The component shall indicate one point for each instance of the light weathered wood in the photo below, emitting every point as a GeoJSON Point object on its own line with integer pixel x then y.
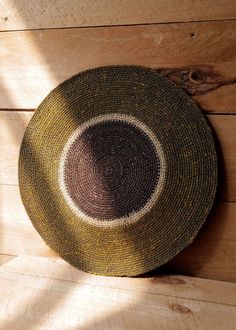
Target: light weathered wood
{"type": "Point", "coordinates": [14, 123]}
{"type": "Point", "coordinates": [212, 255]}
{"type": "Point", "coordinates": [171, 285]}
{"type": "Point", "coordinates": [17, 234]}
{"type": "Point", "coordinates": [4, 258]}
{"type": "Point", "coordinates": [34, 62]}
{"type": "Point", "coordinates": [91, 302]}
{"type": "Point", "coordinates": [38, 14]}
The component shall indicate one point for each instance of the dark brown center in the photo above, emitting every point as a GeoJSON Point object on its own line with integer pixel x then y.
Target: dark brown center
{"type": "Point", "coordinates": [111, 170]}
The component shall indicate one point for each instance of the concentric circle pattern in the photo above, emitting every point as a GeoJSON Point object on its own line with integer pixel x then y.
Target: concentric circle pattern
{"type": "Point", "coordinates": [118, 170]}
{"type": "Point", "coordinates": [111, 170]}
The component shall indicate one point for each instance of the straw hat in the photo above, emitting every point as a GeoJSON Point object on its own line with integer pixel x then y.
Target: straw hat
{"type": "Point", "coordinates": [118, 170]}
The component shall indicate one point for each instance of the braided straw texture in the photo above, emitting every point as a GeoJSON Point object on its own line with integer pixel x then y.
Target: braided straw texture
{"type": "Point", "coordinates": [186, 183]}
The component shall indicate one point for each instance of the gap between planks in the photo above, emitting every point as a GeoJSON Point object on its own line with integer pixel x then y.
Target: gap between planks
{"type": "Point", "coordinates": [119, 25]}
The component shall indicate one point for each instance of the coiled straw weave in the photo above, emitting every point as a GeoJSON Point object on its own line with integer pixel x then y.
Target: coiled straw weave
{"type": "Point", "coordinates": [118, 170]}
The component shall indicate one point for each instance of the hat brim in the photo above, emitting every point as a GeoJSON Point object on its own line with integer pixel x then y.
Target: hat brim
{"type": "Point", "coordinates": [188, 189]}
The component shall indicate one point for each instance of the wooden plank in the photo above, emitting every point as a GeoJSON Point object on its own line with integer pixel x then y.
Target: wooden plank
{"type": "Point", "coordinates": [27, 299]}
{"type": "Point", "coordinates": [225, 130]}
{"type": "Point", "coordinates": [32, 63]}
{"type": "Point", "coordinates": [17, 234]}
{"type": "Point", "coordinates": [212, 255]}
{"type": "Point", "coordinates": [36, 14]}
{"type": "Point", "coordinates": [4, 258]}
{"type": "Point", "coordinates": [14, 123]}
{"type": "Point", "coordinates": [171, 285]}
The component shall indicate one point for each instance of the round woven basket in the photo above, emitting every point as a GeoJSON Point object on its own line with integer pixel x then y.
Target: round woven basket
{"type": "Point", "coordinates": [117, 170]}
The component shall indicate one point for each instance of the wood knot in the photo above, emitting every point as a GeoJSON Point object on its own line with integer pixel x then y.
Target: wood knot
{"type": "Point", "coordinates": [180, 309]}
{"type": "Point", "coordinates": [196, 77]}
{"type": "Point", "coordinates": [196, 81]}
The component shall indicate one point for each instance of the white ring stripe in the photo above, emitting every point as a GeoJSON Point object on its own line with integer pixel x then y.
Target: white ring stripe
{"type": "Point", "coordinates": [133, 216]}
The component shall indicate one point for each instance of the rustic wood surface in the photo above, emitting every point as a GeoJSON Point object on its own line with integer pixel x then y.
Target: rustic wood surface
{"type": "Point", "coordinates": [50, 294]}
{"type": "Point", "coordinates": [41, 14]}
{"type": "Point", "coordinates": [200, 57]}
{"type": "Point", "coordinates": [34, 62]}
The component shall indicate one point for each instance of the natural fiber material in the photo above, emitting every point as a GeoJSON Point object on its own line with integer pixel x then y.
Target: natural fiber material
{"type": "Point", "coordinates": [118, 170]}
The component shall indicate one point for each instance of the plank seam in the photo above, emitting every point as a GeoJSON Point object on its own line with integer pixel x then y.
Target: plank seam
{"type": "Point", "coordinates": [8, 254]}
{"type": "Point", "coordinates": [120, 25]}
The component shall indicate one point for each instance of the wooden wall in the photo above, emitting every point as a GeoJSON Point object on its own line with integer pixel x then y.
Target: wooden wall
{"type": "Point", "coordinates": [193, 44]}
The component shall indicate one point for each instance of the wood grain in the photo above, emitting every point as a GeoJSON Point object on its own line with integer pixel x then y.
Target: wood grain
{"type": "Point", "coordinates": [89, 302]}
{"type": "Point", "coordinates": [171, 285]}
{"type": "Point", "coordinates": [37, 14]}
{"type": "Point", "coordinates": [211, 255]}
{"type": "Point", "coordinates": [32, 63]}
{"type": "Point", "coordinates": [14, 123]}
{"type": "Point", "coordinates": [225, 131]}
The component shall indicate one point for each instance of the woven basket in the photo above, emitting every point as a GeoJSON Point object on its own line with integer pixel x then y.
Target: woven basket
{"type": "Point", "coordinates": [118, 170]}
